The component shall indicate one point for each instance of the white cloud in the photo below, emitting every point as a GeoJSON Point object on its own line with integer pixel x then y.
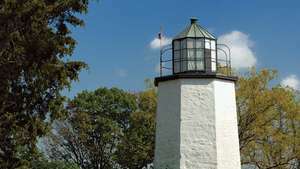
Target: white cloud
{"type": "Point", "coordinates": [242, 55]}
{"type": "Point", "coordinates": [155, 43]}
{"type": "Point", "coordinates": [121, 73]}
{"type": "Point", "coordinates": [291, 81]}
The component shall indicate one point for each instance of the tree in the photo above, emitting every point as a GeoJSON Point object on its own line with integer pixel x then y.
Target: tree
{"type": "Point", "coordinates": [136, 149]}
{"type": "Point", "coordinates": [268, 117]}
{"type": "Point", "coordinates": [90, 136]}
{"type": "Point", "coordinates": [106, 128]}
{"type": "Point", "coordinates": [269, 122]}
{"type": "Point", "coordinates": [35, 43]}
{"type": "Point", "coordinates": [53, 165]}
{"type": "Point", "coordinates": [43, 163]}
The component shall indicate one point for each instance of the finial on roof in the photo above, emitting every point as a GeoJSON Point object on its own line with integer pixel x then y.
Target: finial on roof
{"type": "Point", "coordinates": [193, 20]}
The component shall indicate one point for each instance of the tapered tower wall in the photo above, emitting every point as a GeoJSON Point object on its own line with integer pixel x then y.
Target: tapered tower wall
{"type": "Point", "coordinates": [228, 153]}
{"type": "Point", "coordinates": [196, 125]}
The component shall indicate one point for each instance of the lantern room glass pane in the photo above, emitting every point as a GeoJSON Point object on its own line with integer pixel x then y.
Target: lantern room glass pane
{"type": "Point", "coordinates": [213, 66]}
{"type": "Point", "coordinates": [213, 44]}
{"type": "Point", "coordinates": [176, 45]}
{"type": "Point", "coordinates": [191, 65]}
{"type": "Point", "coordinates": [183, 44]}
{"type": "Point", "coordinates": [200, 64]}
{"type": "Point", "coordinates": [200, 59]}
{"type": "Point", "coordinates": [199, 43]}
{"type": "Point", "coordinates": [183, 60]}
{"type": "Point", "coordinates": [207, 44]}
{"type": "Point", "coordinates": [199, 54]}
{"type": "Point", "coordinates": [190, 43]}
{"type": "Point", "coordinates": [213, 61]}
{"type": "Point", "coordinates": [207, 53]}
{"type": "Point", "coordinates": [191, 59]}
{"type": "Point", "coordinates": [183, 66]}
{"type": "Point", "coordinates": [213, 56]}
{"type": "Point", "coordinates": [207, 60]}
{"type": "Point", "coordinates": [177, 67]}
{"type": "Point", "coordinates": [183, 54]}
{"type": "Point", "coordinates": [191, 54]}
{"type": "Point", "coordinates": [177, 55]}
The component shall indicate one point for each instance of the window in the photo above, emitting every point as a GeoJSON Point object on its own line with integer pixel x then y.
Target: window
{"type": "Point", "coordinates": [177, 56]}
{"type": "Point", "coordinates": [183, 44]}
{"type": "Point", "coordinates": [194, 54]}
{"type": "Point", "coordinates": [191, 59]}
{"type": "Point", "coordinates": [213, 61]}
{"type": "Point", "coordinates": [190, 43]}
{"type": "Point", "coordinates": [207, 44]}
{"type": "Point", "coordinates": [200, 59]}
{"type": "Point", "coordinates": [177, 67]}
{"type": "Point", "coordinates": [213, 45]}
{"type": "Point", "coordinates": [183, 60]}
{"type": "Point", "coordinates": [199, 43]}
{"type": "Point", "coordinates": [177, 45]}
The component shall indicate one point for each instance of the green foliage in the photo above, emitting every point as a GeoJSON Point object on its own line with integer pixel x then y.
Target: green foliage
{"type": "Point", "coordinates": [149, 84]}
{"type": "Point", "coordinates": [107, 128]}
{"type": "Point", "coordinates": [94, 129]}
{"type": "Point", "coordinates": [147, 101]}
{"type": "Point", "coordinates": [34, 42]}
{"type": "Point", "coordinates": [136, 149]}
{"type": "Point", "coordinates": [45, 164]}
{"type": "Point", "coordinates": [269, 122]}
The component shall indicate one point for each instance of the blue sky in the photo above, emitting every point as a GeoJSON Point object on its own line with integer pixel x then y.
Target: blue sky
{"type": "Point", "coordinates": [115, 41]}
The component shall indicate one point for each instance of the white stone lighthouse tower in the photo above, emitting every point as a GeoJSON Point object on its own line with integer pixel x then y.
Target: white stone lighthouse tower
{"type": "Point", "coordinates": [196, 115]}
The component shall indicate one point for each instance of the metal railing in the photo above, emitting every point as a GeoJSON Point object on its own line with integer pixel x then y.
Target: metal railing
{"type": "Point", "coordinates": [223, 65]}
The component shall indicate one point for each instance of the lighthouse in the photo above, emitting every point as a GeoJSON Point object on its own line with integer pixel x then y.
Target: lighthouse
{"type": "Point", "coordinates": [196, 120]}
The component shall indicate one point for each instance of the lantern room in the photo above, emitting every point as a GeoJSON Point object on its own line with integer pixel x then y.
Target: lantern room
{"type": "Point", "coordinates": [194, 50]}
